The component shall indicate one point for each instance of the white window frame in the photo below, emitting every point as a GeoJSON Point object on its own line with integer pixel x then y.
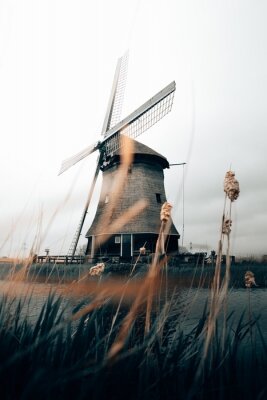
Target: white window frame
{"type": "Point", "coordinates": [118, 239]}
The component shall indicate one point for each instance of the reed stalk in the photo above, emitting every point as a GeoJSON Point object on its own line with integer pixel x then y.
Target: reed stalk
{"type": "Point", "coordinates": [219, 290]}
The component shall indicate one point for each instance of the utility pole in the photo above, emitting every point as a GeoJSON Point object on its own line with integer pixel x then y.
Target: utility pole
{"type": "Point", "coordinates": [183, 164]}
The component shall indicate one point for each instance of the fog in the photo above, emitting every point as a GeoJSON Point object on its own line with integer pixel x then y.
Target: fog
{"type": "Point", "coordinates": [57, 61]}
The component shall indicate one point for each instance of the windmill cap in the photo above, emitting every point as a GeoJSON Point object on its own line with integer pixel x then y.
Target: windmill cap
{"type": "Point", "coordinates": [140, 149]}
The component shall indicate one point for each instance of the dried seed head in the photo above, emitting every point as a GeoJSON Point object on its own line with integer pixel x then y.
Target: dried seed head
{"type": "Point", "coordinates": [231, 185]}
{"type": "Point", "coordinates": [249, 279]}
{"type": "Point", "coordinates": [142, 250]}
{"type": "Point", "coordinates": [165, 212]}
{"type": "Point", "coordinates": [97, 269]}
{"type": "Point", "coordinates": [226, 229]}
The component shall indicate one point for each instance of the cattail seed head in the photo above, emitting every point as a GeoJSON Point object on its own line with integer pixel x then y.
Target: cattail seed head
{"type": "Point", "coordinates": [231, 186]}
{"type": "Point", "coordinates": [165, 212]}
{"type": "Point", "coordinates": [226, 229]}
{"type": "Point", "coordinates": [142, 250]}
{"type": "Point", "coordinates": [249, 279]}
{"type": "Point", "coordinates": [97, 269]}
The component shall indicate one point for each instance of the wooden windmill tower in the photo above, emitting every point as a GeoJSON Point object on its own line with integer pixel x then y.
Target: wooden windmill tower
{"type": "Point", "coordinates": [144, 179]}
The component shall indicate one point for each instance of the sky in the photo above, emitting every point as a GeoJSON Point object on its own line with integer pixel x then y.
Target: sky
{"type": "Point", "coordinates": [57, 61]}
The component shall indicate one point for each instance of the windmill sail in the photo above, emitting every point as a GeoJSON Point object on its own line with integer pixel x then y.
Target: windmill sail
{"type": "Point", "coordinates": [69, 162]}
{"type": "Point", "coordinates": [76, 237]}
{"type": "Point", "coordinates": [113, 113]}
{"type": "Point", "coordinates": [114, 108]}
{"type": "Point", "coordinates": [141, 119]}
{"type": "Point", "coordinates": [135, 124]}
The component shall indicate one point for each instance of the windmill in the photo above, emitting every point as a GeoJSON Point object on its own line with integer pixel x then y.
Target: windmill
{"type": "Point", "coordinates": [132, 126]}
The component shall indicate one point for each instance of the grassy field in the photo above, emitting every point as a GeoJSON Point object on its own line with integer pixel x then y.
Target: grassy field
{"type": "Point", "coordinates": [125, 337]}
{"type": "Point", "coordinates": [104, 349]}
{"type": "Point", "coordinates": [187, 274]}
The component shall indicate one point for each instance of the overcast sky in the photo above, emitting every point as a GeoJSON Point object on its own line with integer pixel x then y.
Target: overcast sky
{"type": "Point", "coordinates": [57, 61]}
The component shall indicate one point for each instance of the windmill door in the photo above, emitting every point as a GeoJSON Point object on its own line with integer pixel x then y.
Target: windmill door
{"type": "Point", "coordinates": [126, 246]}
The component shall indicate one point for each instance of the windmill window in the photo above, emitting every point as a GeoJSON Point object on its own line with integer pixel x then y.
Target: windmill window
{"type": "Point", "coordinates": [117, 239]}
{"type": "Point", "coordinates": [158, 197]}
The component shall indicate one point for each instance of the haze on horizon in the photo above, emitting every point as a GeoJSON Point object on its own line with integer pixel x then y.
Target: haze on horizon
{"type": "Point", "coordinates": [57, 61]}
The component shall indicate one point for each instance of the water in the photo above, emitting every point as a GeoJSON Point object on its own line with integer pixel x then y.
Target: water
{"type": "Point", "coordinates": [189, 302]}
{"type": "Point", "coordinates": [252, 303]}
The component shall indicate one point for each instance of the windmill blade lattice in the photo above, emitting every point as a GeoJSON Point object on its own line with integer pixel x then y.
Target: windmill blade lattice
{"type": "Point", "coordinates": [77, 234]}
{"type": "Point", "coordinates": [69, 162]}
{"type": "Point", "coordinates": [114, 108]}
{"type": "Point", "coordinates": [120, 90]}
{"type": "Point", "coordinates": [141, 119]}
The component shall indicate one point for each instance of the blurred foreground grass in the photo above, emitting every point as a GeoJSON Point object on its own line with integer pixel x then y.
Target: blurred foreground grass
{"type": "Point", "coordinates": [65, 355]}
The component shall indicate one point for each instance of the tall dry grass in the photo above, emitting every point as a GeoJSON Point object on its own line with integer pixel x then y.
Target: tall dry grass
{"type": "Point", "coordinates": [219, 288]}
{"type": "Point", "coordinates": [120, 340]}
